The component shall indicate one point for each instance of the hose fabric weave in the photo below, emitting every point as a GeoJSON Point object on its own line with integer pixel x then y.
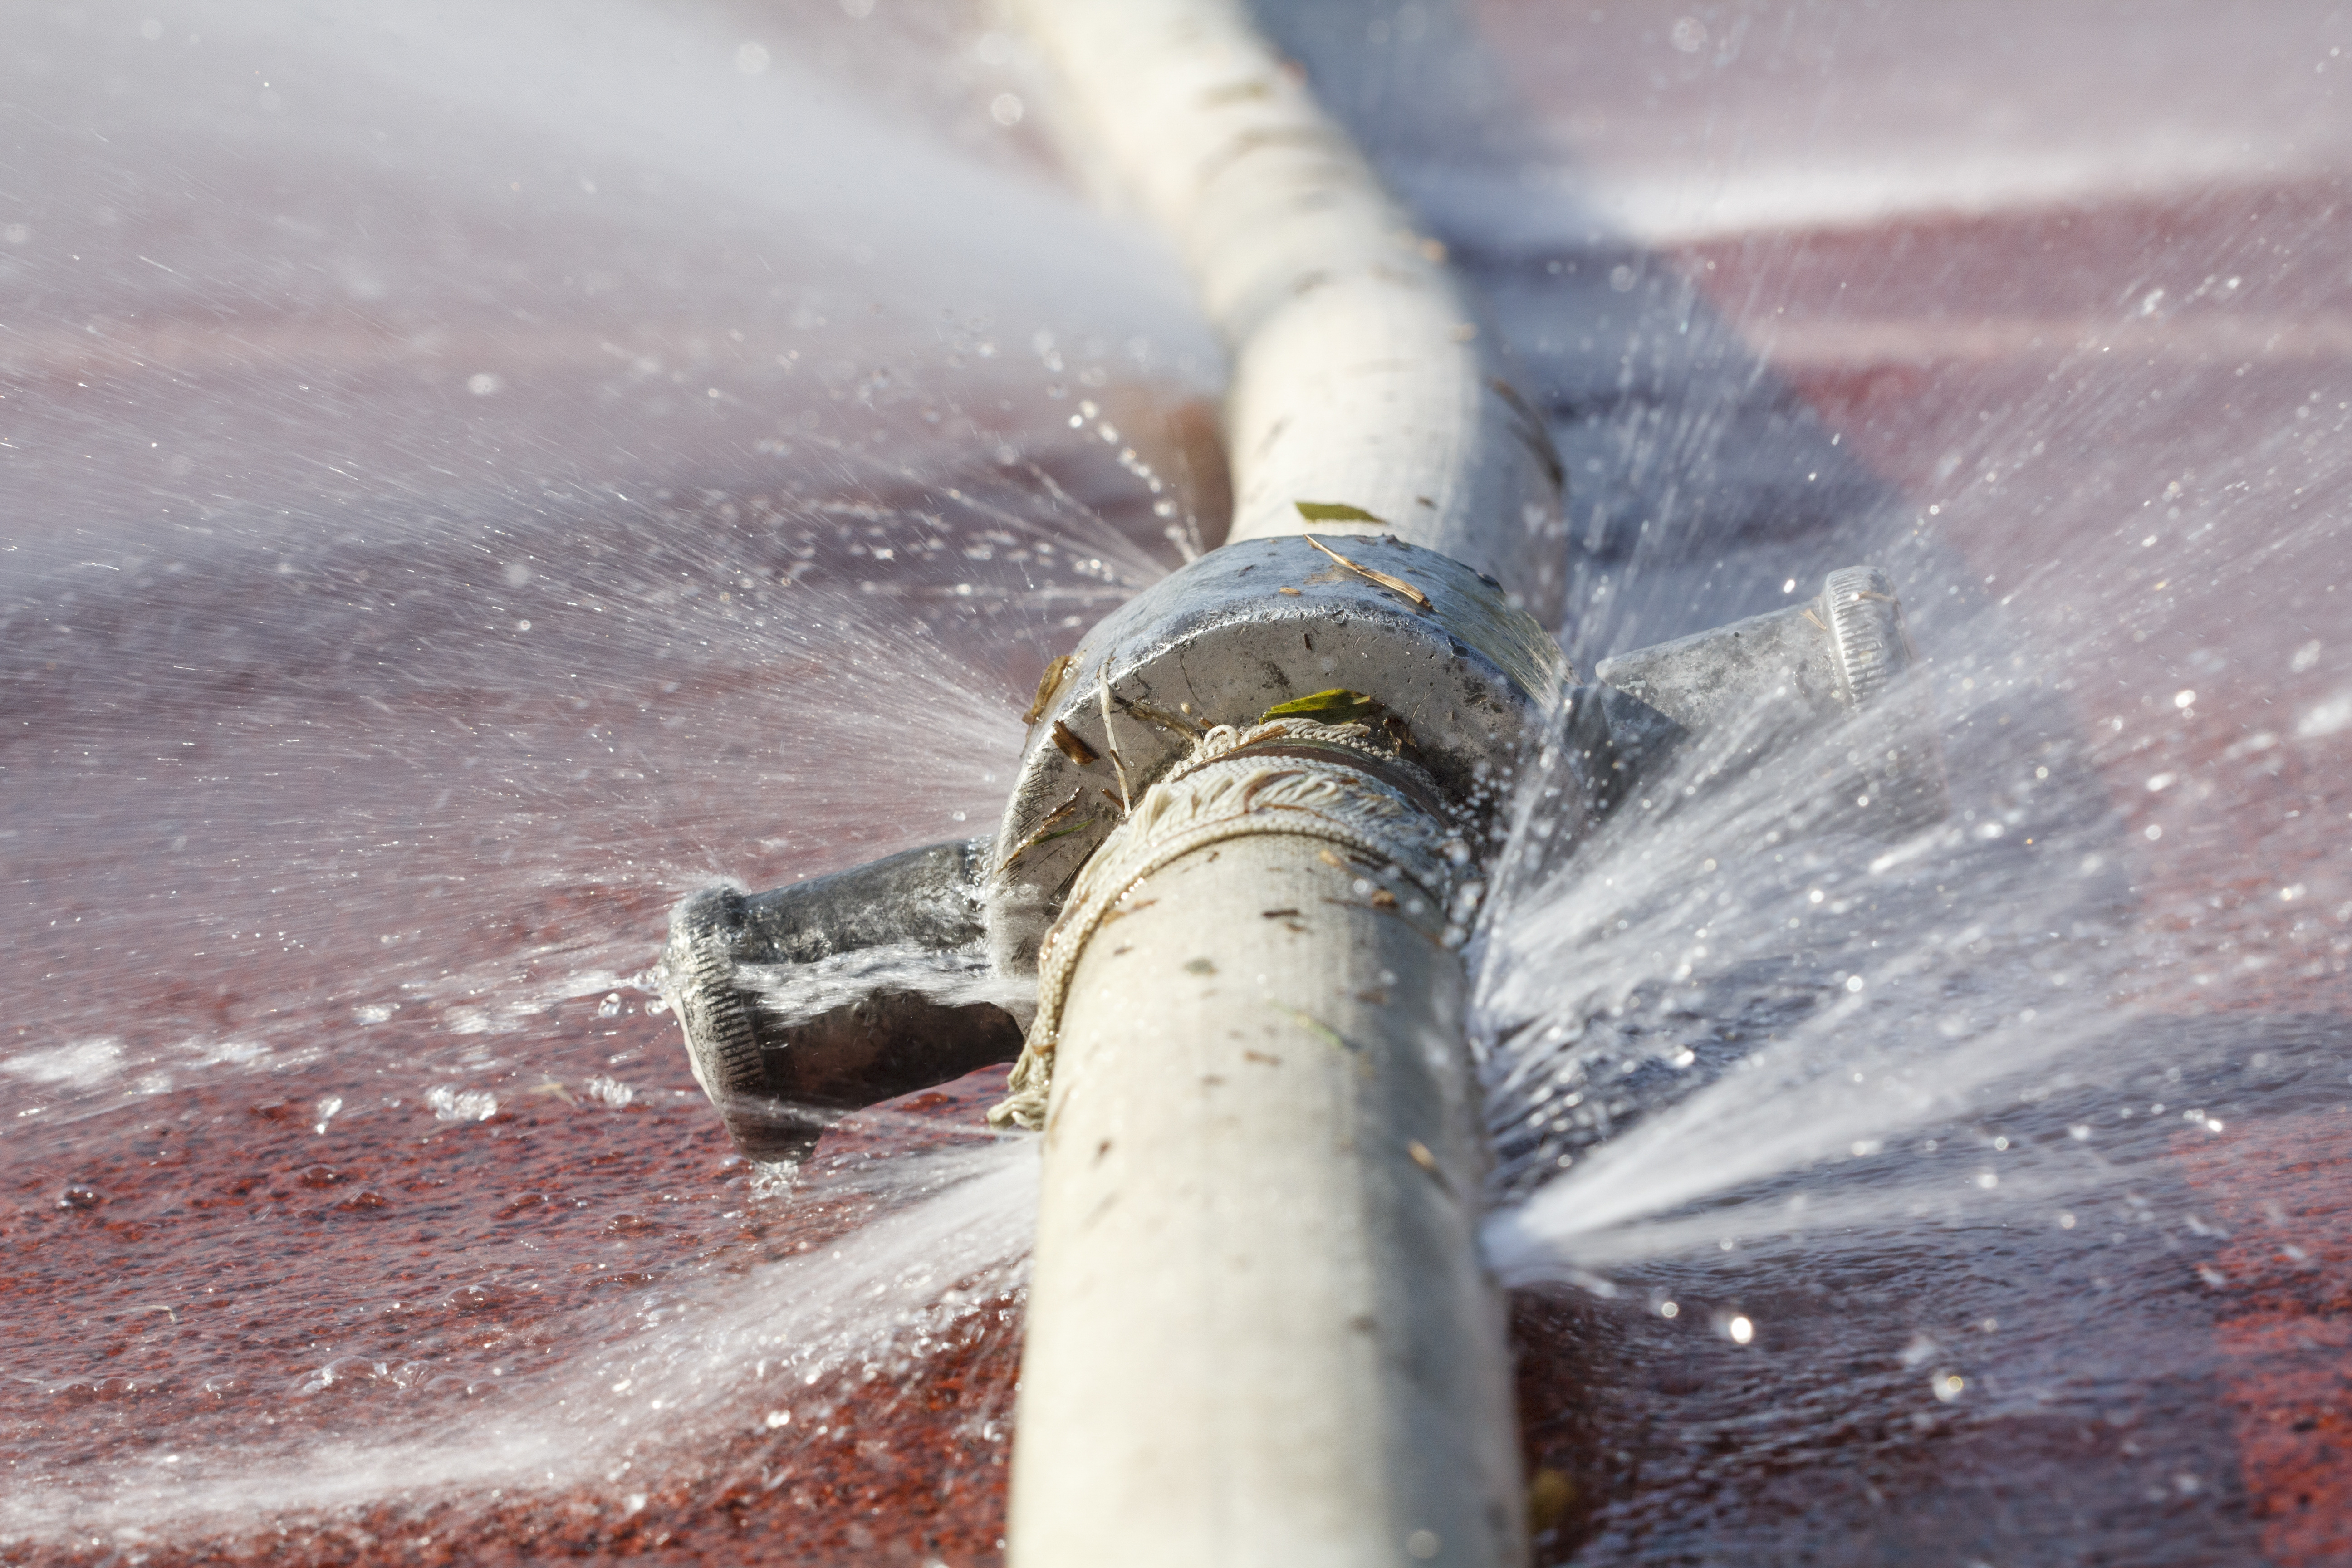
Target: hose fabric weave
{"type": "Point", "coordinates": [1326, 785]}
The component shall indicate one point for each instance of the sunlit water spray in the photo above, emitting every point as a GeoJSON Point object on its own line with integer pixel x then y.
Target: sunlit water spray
{"type": "Point", "coordinates": [1723, 1016]}
{"type": "Point", "coordinates": [654, 1385]}
{"type": "Point", "coordinates": [359, 813]}
{"type": "Point", "coordinates": [1720, 1019]}
{"type": "Point", "coordinates": [1728, 981]}
{"type": "Point", "coordinates": [662, 469]}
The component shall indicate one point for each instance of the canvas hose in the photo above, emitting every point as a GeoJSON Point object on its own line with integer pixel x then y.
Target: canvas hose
{"type": "Point", "coordinates": [1345, 784]}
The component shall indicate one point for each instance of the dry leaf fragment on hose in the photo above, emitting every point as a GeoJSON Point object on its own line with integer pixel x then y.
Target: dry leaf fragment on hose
{"type": "Point", "coordinates": [1034, 840]}
{"type": "Point", "coordinates": [1067, 741]}
{"type": "Point", "coordinates": [1418, 1152]}
{"type": "Point", "coordinates": [1315, 1027]}
{"type": "Point", "coordinates": [1047, 684]}
{"type": "Point", "coordinates": [1175, 722]}
{"type": "Point", "coordinates": [1335, 705]}
{"type": "Point", "coordinates": [1420, 600]}
{"type": "Point", "coordinates": [1051, 827]}
{"type": "Point", "coordinates": [1336, 511]}
{"type": "Point", "coordinates": [1110, 739]}
{"type": "Point", "coordinates": [1064, 809]}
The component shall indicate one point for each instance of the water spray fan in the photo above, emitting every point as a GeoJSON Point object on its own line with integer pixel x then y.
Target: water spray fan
{"type": "Point", "coordinates": [1249, 839]}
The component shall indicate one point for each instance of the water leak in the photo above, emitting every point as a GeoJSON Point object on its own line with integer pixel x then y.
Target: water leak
{"type": "Point", "coordinates": [473, 477]}
{"type": "Point", "coordinates": [1982, 1186]}
{"type": "Point", "coordinates": [478, 477]}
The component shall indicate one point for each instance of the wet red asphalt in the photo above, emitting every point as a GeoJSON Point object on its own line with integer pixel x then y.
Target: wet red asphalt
{"type": "Point", "coordinates": [183, 1261]}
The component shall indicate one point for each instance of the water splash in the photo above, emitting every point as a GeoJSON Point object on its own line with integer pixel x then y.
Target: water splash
{"type": "Point", "coordinates": [1727, 981]}
{"type": "Point", "coordinates": [670, 1375]}
{"type": "Point", "coordinates": [409, 597]}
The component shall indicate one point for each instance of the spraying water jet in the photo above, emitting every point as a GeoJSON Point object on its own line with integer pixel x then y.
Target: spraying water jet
{"type": "Point", "coordinates": [348, 980]}
{"type": "Point", "coordinates": [1223, 916]}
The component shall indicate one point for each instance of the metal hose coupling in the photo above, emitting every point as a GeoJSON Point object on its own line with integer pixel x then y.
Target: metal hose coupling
{"type": "Point", "coordinates": [807, 1002]}
{"type": "Point", "coordinates": [1184, 718]}
{"type": "Point", "coordinates": [1836, 669]}
{"type": "Point", "coordinates": [1347, 784]}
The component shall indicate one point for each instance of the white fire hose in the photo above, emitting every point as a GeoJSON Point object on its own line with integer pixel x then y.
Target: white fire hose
{"type": "Point", "coordinates": [1240, 857]}
{"type": "Point", "coordinates": [1258, 1329]}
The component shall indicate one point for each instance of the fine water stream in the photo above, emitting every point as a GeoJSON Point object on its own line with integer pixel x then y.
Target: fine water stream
{"type": "Point", "coordinates": [476, 474]}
